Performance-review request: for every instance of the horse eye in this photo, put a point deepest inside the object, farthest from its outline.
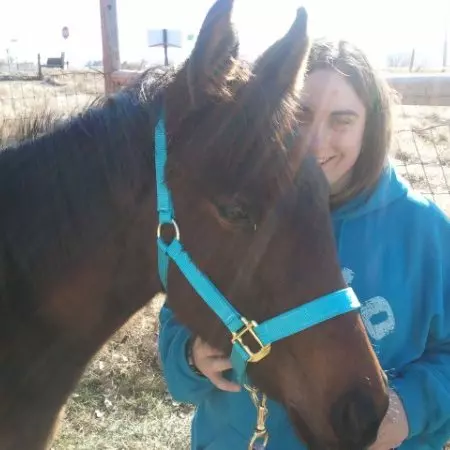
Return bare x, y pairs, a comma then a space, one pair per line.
234, 213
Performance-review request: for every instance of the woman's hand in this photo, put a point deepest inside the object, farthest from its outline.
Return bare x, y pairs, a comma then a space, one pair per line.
211, 363
394, 429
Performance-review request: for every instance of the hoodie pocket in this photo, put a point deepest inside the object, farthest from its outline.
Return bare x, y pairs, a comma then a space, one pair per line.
228, 439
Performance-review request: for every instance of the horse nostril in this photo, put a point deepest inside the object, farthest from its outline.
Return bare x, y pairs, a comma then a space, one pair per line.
356, 419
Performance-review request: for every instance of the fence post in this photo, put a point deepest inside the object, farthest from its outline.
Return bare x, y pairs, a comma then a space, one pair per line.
39, 67
110, 42
411, 61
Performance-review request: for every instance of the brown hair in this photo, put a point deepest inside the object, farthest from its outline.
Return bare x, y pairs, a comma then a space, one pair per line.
378, 100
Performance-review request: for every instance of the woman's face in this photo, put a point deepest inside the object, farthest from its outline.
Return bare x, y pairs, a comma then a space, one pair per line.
332, 122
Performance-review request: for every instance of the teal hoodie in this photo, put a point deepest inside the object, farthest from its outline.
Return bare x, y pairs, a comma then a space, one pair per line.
394, 250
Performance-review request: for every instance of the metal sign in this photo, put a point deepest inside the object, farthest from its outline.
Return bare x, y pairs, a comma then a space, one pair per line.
165, 38
65, 32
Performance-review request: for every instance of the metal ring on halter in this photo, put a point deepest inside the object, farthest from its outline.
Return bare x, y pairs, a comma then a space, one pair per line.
175, 227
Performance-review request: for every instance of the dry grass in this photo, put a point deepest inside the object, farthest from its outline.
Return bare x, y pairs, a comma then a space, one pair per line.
60, 91
122, 402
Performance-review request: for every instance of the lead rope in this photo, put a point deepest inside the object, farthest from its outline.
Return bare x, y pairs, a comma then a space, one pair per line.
260, 435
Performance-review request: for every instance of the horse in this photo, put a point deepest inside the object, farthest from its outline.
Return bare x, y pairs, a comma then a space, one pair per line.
78, 248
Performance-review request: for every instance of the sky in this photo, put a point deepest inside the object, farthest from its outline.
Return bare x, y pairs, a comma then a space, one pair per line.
380, 27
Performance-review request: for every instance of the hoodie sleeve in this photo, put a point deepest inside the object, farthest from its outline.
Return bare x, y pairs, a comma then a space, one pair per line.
183, 383
424, 384
424, 388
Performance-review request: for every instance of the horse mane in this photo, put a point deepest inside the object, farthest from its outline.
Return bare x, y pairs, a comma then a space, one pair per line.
74, 166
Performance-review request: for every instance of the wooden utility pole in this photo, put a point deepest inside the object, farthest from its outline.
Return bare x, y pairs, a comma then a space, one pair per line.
110, 42
445, 49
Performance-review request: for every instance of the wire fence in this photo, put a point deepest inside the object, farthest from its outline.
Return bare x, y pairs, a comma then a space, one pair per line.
421, 150
22, 95
421, 145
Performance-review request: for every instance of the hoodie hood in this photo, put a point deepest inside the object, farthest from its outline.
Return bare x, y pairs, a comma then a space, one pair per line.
390, 187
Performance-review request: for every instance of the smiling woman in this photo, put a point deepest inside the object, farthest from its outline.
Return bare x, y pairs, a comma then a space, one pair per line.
333, 118
346, 111
393, 250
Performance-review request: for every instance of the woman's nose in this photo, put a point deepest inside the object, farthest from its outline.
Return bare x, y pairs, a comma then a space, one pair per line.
317, 142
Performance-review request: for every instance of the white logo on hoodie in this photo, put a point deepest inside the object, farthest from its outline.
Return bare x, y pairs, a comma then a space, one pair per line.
376, 312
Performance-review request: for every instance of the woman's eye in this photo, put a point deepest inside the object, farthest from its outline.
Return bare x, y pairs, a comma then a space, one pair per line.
342, 121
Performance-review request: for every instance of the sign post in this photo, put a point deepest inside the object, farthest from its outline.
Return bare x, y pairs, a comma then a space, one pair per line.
164, 38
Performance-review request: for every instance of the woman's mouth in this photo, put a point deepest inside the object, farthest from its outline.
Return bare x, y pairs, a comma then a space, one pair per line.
323, 160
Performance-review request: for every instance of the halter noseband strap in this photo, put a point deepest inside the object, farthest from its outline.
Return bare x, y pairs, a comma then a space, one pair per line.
264, 334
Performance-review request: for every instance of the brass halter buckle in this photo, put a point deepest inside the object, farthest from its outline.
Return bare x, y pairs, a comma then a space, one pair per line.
260, 435
248, 327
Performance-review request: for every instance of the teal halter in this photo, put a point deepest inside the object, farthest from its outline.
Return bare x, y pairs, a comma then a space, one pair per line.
264, 334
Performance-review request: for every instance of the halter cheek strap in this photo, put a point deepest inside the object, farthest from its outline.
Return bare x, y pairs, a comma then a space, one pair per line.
264, 334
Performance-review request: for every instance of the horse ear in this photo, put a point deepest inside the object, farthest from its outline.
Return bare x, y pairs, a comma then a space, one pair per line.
214, 53
282, 63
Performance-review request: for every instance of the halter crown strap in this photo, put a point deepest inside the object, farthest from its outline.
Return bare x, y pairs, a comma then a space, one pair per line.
164, 199
166, 213
264, 334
